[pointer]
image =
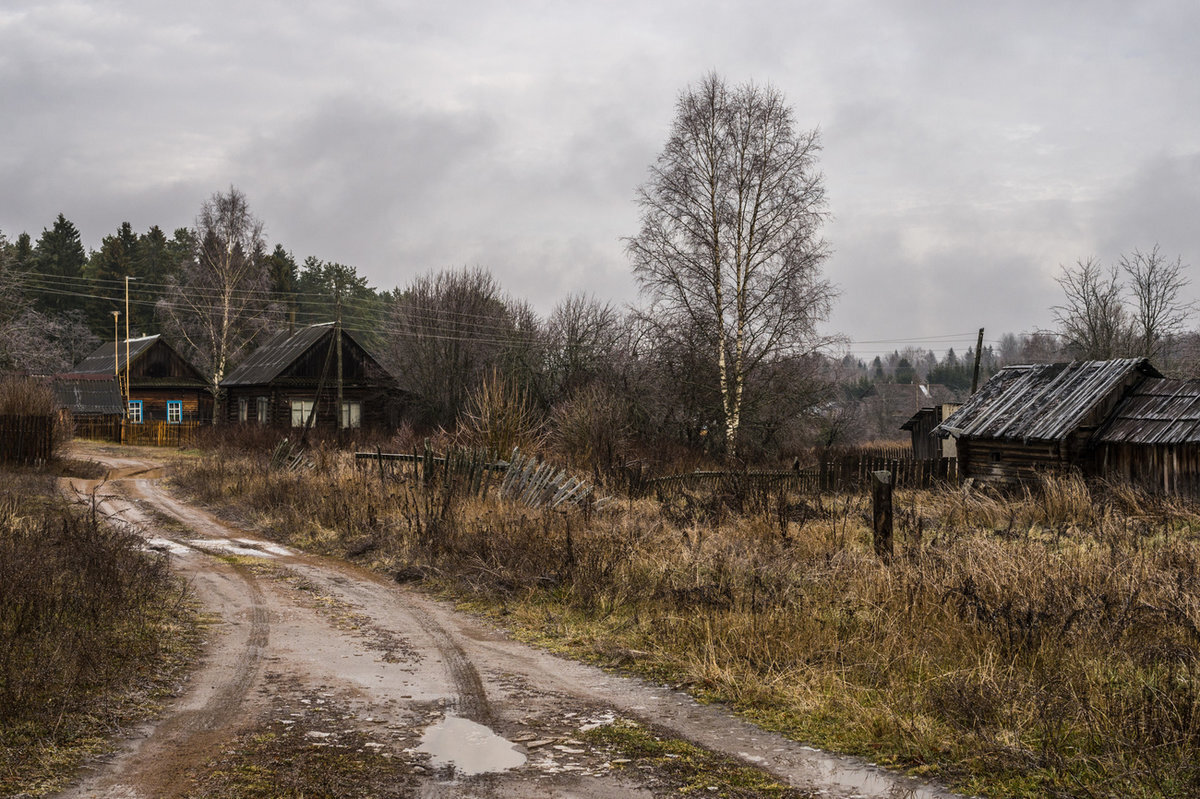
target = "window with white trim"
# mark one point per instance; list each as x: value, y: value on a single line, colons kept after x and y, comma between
x: 351, y: 414
x: 264, y: 410
x: 243, y: 410
x: 300, y: 411
x: 135, y: 411
x: 174, y: 411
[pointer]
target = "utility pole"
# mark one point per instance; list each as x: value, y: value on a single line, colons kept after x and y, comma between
x: 117, y: 371
x: 978, y: 355
x: 337, y: 327
x: 117, y: 354
x: 127, y: 279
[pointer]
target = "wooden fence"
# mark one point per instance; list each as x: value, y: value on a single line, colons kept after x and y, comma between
x: 147, y: 434
x: 26, y: 439
x: 847, y: 473
x: 520, y: 478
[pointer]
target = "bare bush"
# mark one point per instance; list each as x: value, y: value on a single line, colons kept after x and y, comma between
x: 590, y: 428
x: 500, y: 416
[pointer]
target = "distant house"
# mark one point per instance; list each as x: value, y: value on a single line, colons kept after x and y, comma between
x: 163, y: 386
x: 282, y: 381
x: 890, y: 405
x: 1041, y: 416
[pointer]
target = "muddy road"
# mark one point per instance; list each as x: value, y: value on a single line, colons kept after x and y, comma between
x: 326, y: 655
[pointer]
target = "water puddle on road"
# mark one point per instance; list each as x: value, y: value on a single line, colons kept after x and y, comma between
x: 468, y: 747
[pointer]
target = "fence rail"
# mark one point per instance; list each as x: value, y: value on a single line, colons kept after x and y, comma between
x: 26, y: 439
x: 841, y: 474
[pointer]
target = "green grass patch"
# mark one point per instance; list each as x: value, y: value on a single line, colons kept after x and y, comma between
x: 685, y: 767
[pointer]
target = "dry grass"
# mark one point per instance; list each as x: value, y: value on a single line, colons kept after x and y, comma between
x: 1041, y: 645
x: 92, y: 631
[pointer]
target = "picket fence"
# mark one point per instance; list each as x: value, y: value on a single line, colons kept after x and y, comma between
x: 147, y: 434
x: 25, y: 439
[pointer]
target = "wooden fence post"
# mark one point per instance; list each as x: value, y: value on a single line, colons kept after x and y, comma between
x: 881, y: 497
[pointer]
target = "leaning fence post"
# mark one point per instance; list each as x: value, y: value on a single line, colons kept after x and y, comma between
x: 881, y: 497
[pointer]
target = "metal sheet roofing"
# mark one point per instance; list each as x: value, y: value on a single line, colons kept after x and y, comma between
x: 275, y: 355
x: 86, y: 396
x: 1158, y: 411
x: 100, y: 362
x: 1041, y: 402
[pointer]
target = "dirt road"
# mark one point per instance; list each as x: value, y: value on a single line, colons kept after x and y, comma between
x: 323, y: 654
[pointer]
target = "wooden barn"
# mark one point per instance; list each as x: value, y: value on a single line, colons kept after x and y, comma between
x: 162, y: 385
x: 280, y: 383
x: 1152, y: 439
x: 1040, y: 417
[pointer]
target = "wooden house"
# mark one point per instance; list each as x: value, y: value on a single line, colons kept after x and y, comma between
x: 282, y: 381
x: 1152, y: 438
x: 1040, y: 417
x: 162, y: 385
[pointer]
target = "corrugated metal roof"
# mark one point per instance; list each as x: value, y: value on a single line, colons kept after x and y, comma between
x: 100, y: 362
x: 1041, y: 402
x: 1159, y: 411
x: 275, y: 355
x: 89, y: 395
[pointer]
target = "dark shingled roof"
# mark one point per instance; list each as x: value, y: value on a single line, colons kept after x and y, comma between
x: 1159, y: 411
x: 276, y: 354
x: 1040, y: 402
x: 89, y: 396
x: 100, y: 362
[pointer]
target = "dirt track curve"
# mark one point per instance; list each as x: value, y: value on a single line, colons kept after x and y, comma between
x: 477, y: 714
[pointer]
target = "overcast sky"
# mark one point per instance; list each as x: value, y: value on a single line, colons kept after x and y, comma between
x: 970, y: 148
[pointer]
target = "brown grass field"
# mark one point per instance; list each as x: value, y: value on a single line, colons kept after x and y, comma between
x: 1044, y: 644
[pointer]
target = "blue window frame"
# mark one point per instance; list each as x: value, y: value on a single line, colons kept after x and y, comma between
x: 174, y: 411
x: 135, y: 411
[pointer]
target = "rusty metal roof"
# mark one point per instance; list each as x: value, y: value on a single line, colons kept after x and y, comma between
x: 1042, y: 402
x: 1159, y: 411
x: 100, y: 362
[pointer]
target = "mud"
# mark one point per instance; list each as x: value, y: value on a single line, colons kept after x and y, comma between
x: 471, y: 712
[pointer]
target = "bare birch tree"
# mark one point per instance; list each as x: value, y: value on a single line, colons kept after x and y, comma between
x: 220, y: 300
x: 730, y: 243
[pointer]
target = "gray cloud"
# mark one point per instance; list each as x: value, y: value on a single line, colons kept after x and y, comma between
x: 970, y: 149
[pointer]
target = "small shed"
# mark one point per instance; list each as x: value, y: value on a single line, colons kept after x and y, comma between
x: 163, y: 386
x: 1152, y: 439
x: 89, y: 396
x: 926, y: 445
x: 1040, y: 416
x: 281, y: 382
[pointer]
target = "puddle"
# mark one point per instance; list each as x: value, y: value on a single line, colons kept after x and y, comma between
x: 254, y: 549
x: 164, y: 545
x: 468, y: 747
